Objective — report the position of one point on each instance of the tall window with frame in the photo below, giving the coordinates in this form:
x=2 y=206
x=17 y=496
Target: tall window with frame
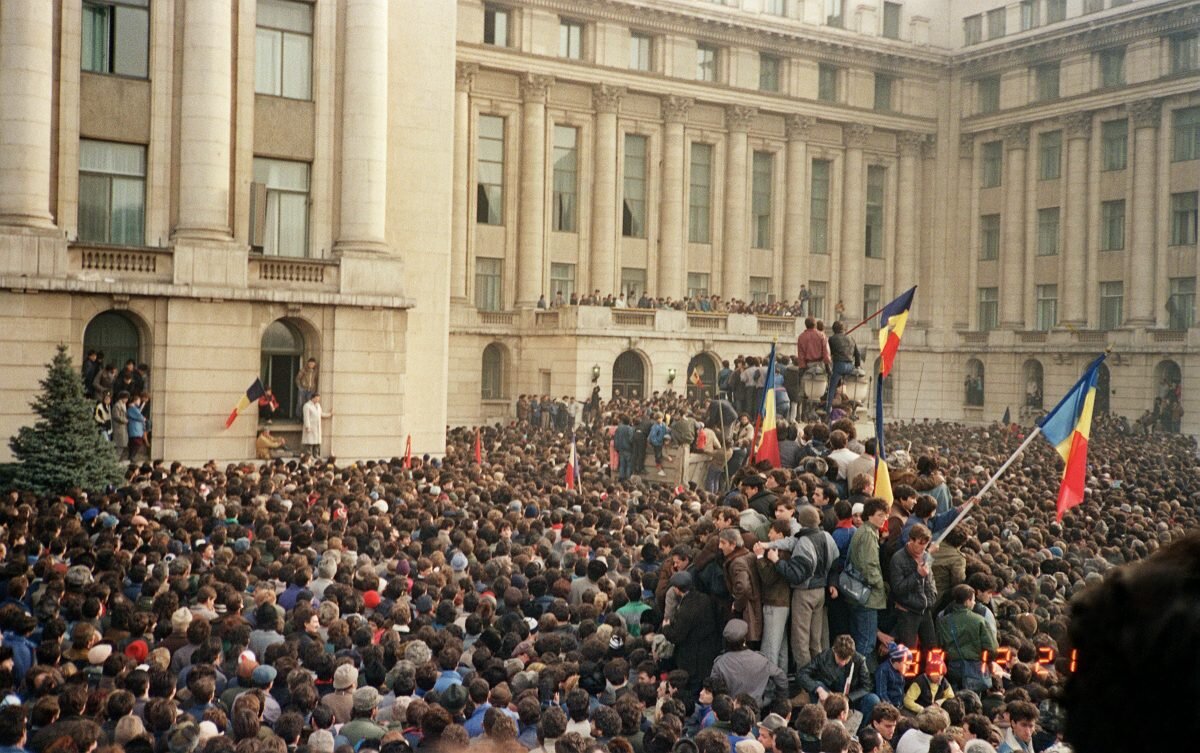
x=633 y=282
x=973 y=29
x=283 y=49
x=489 y=279
x=884 y=86
x=633 y=200
x=768 y=72
x=1046 y=78
x=777 y=7
x=1185 y=131
x=835 y=13
x=818 y=292
x=1112 y=300
x=1056 y=10
x=989 y=309
x=116 y=37
x=706 y=62
x=989 y=237
x=495 y=25
x=492 y=373
x=891 y=20
x=1047 y=307
x=1181 y=305
x=1029 y=15
x=1049 y=155
x=700 y=194
x=489 y=171
x=566 y=176
x=827 y=82
x=873 y=239
x=872 y=301
x=1112 y=225
x=570 y=39
x=760 y=290
x=988 y=91
x=763 y=182
x=1114 y=144
x=562 y=280
x=1185 y=52
x=1112 y=67
x=285 y=214
x=641 y=51
x=112 y=193
x=1183 y=218
x=997 y=23
x=818 y=208
x=1048 y=224
x=991 y=164
x=697 y=283
x=1093 y=6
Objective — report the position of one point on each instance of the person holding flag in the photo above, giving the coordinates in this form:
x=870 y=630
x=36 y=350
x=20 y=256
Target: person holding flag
x=766 y=442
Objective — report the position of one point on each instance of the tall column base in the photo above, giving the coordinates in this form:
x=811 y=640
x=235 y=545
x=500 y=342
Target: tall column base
x=32 y=251
x=369 y=268
x=205 y=262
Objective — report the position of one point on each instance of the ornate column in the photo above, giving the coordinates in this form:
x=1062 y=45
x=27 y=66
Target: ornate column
x=531 y=231
x=26 y=87
x=734 y=246
x=906 y=271
x=461 y=228
x=1012 y=250
x=853 y=251
x=958 y=300
x=364 y=128
x=206 y=99
x=607 y=101
x=1146 y=116
x=795 y=256
x=672 y=235
x=1072 y=289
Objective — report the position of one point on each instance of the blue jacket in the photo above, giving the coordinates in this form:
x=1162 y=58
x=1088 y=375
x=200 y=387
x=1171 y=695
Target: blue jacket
x=658 y=433
x=889 y=685
x=623 y=438
x=137 y=422
x=24 y=654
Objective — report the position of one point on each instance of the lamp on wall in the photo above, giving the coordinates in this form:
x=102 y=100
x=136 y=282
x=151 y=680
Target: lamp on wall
x=595 y=373
x=670 y=376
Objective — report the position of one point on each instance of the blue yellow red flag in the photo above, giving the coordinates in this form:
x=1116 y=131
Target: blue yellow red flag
x=766 y=445
x=891 y=328
x=1067 y=428
x=253 y=393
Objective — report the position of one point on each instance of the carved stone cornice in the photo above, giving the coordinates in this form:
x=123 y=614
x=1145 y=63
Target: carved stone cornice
x=910 y=143
x=929 y=146
x=464 y=76
x=739 y=117
x=607 y=98
x=856 y=135
x=798 y=126
x=966 y=146
x=1016 y=137
x=675 y=109
x=1077 y=125
x=1146 y=113
x=535 y=87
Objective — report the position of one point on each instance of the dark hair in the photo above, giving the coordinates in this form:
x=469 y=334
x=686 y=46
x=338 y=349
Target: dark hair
x=12 y=725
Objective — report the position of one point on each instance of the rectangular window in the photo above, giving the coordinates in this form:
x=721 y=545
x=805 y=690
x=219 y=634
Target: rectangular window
x=283 y=49
x=1181 y=305
x=989 y=309
x=835 y=13
x=1114 y=137
x=872 y=301
x=1183 y=219
x=818 y=211
x=760 y=290
x=1185 y=129
x=973 y=29
x=641 y=49
x=777 y=7
x=1029 y=14
x=996 y=23
x=827 y=82
x=633 y=283
x=562 y=280
x=1047 y=307
x=883 y=92
x=817 y=292
x=566 y=172
x=1049 y=155
x=891 y=20
x=495 y=25
x=1093 y=6
x=764 y=177
x=489 y=171
x=700 y=194
x=112 y=193
x=1047 y=231
x=1046 y=81
x=876 y=177
x=697 y=283
x=1185 y=52
x=706 y=62
x=1112 y=299
x=116 y=37
x=489 y=276
x=1056 y=10
x=1112 y=225
x=633 y=210
x=1112 y=67
x=285 y=216
x=570 y=39
x=988 y=89
x=989 y=237
x=768 y=73
x=991 y=166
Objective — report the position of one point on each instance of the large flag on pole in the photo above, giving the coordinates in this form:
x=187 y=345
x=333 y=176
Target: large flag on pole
x=1067 y=428
x=253 y=393
x=572 y=470
x=766 y=445
x=883 y=477
x=478 y=448
x=891 y=329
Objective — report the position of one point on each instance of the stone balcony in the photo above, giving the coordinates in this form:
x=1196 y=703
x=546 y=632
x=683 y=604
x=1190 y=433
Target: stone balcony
x=101 y=263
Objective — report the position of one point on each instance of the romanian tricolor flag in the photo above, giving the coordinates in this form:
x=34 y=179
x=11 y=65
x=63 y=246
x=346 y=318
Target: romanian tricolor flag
x=891 y=329
x=696 y=378
x=572 y=469
x=253 y=393
x=766 y=444
x=883 y=477
x=1067 y=428
x=478 y=448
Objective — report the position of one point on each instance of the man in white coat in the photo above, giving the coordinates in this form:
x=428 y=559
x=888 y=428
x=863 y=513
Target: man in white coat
x=310 y=438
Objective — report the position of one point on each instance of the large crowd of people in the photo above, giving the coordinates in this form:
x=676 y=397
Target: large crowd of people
x=801 y=306
x=440 y=604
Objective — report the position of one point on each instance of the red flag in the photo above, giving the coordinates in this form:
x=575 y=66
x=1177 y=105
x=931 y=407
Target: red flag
x=766 y=440
x=408 y=453
x=478 y=448
x=572 y=467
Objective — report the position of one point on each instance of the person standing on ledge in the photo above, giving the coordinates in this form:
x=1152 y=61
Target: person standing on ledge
x=310 y=439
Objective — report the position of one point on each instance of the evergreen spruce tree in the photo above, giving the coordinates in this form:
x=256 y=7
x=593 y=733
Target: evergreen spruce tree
x=63 y=450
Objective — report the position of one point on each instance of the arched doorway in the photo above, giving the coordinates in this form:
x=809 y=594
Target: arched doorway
x=702 y=376
x=974 y=383
x=629 y=376
x=493 y=386
x=116 y=336
x=1103 y=390
x=282 y=354
x=1034 y=379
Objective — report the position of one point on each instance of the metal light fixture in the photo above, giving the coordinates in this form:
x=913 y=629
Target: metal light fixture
x=596 y=373
x=670 y=376
x=815 y=383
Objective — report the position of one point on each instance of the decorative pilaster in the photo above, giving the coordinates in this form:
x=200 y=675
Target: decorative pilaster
x=1012 y=252
x=905 y=270
x=735 y=281
x=1073 y=291
x=795 y=260
x=853 y=253
x=966 y=146
x=1146 y=116
x=672 y=253
x=464 y=79
x=607 y=101
x=531 y=232
x=26 y=91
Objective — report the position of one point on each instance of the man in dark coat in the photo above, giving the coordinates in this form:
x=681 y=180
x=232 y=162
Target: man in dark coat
x=840 y=669
x=694 y=631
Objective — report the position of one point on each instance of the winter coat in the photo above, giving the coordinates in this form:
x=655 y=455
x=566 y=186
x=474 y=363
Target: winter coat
x=696 y=633
x=312 y=424
x=864 y=556
x=741 y=578
x=949 y=568
x=120 y=424
x=910 y=590
x=823 y=672
x=964 y=635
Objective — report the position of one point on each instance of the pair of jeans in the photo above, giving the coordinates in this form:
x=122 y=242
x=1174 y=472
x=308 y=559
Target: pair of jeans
x=864 y=623
x=810 y=633
x=624 y=464
x=774 y=640
x=840 y=369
